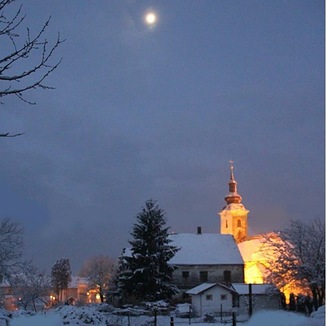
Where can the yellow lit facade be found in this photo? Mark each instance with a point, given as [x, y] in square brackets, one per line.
[234, 215]
[253, 249]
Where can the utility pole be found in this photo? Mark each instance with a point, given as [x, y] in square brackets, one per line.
[250, 300]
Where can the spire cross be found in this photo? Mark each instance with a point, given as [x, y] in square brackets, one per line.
[231, 168]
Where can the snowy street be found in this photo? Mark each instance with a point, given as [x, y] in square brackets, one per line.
[275, 318]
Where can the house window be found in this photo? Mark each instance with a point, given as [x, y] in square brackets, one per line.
[203, 275]
[209, 297]
[239, 224]
[227, 277]
[185, 274]
[223, 297]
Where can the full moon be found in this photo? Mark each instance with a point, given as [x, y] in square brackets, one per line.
[150, 18]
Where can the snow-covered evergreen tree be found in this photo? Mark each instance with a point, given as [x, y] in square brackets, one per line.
[144, 271]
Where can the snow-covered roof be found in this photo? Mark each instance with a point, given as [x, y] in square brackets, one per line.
[205, 249]
[234, 206]
[256, 248]
[251, 250]
[76, 280]
[201, 288]
[206, 286]
[243, 289]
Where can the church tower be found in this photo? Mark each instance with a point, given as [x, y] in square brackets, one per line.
[234, 215]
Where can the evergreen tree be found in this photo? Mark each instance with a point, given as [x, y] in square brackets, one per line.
[145, 272]
[61, 276]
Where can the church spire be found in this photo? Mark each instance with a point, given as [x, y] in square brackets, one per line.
[234, 215]
[233, 197]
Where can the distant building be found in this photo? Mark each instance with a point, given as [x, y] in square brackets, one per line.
[78, 291]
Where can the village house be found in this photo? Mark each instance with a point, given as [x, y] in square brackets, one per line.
[205, 258]
[78, 291]
[221, 300]
[215, 298]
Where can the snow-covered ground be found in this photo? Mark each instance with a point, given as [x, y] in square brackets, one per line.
[72, 316]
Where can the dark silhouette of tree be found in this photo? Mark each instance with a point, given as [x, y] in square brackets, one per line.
[292, 306]
[145, 274]
[60, 277]
[11, 246]
[31, 286]
[26, 56]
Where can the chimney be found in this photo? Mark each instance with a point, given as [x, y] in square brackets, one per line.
[198, 229]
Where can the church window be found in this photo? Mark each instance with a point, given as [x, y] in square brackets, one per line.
[209, 297]
[227, 277]
[226, 224]
[203, 275]
[185, 274]
[239, 224]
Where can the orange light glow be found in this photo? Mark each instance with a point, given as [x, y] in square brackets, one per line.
[257, 257]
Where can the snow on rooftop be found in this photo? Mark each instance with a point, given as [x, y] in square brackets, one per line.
[243, 289]
[250, 249]
[76, 280]
[200, 288]
[256, 249]
[205, 249]
[234, 206]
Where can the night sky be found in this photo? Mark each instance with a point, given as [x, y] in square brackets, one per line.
[142, 112]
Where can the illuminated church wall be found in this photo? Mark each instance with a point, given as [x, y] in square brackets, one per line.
[234, 215]
[234, 221]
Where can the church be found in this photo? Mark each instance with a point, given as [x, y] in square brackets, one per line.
[229, 257]
[213, 257]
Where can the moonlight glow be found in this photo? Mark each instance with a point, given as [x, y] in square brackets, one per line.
[150, 18]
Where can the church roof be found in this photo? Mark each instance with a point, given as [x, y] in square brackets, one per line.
[205, 249]
[256, 248]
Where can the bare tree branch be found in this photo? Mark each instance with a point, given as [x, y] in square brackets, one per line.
[7, 134]
[28, 57]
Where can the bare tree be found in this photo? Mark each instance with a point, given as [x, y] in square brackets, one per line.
[26, 57]
[11, 246]
[99, 272]
[31, 286]
[300, 257]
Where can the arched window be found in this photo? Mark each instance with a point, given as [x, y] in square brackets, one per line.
[226, 224]
[239, 224]
[227, 277]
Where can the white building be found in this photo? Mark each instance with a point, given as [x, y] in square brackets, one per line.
[213, 298]
[205, 258]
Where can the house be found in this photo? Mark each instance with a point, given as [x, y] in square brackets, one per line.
[78, 291]
[205, 258]
[264, 297]
[221, 300]
[215, 298]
